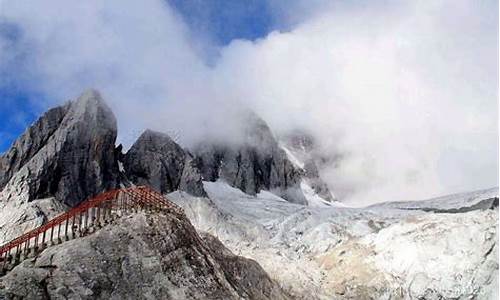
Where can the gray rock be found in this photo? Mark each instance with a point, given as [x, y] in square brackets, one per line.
[313, 178]
[304, 147]
[156, 160]
[69, 154]
[28, 144]
[191, 180]
[245, 275]
[257, 163]
[142, 256]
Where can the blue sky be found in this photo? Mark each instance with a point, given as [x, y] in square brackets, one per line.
[218, 20]
[226, 20]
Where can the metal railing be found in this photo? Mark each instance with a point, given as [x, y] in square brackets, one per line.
[79, 221]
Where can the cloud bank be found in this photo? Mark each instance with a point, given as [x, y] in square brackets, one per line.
[405, 93]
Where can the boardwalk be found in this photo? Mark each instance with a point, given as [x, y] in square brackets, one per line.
[82, 220]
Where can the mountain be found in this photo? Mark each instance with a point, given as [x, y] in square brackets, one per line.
[259, 222]
[255, 164]
[69, 155]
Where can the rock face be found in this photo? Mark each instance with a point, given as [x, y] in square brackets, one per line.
[141, 256]
[191, 180]
[256, 164]
[245, 275]
[156, 160]
[26, 146]
[69, 154]
[302, 147]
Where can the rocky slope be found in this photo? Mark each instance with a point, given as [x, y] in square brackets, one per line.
[379, 252]
[141, 256]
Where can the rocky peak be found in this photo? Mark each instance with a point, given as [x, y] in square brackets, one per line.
[299, 141]
[257, 133]
[156, 160]
[29, 143]
[257, 163]
[69, 154]
[302, 146]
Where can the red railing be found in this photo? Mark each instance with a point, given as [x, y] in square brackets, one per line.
[92, 213]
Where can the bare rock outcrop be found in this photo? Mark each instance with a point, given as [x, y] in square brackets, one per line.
[69, 154]
[255, 164]
[304, 148]
[28, 144]
[158, 161]
[142, 256]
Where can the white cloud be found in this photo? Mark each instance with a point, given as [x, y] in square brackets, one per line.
[406, 91]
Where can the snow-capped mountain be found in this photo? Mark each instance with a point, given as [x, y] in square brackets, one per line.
[267, 225]
[400, 251]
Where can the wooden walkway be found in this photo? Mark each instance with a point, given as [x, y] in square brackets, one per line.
[82, 220]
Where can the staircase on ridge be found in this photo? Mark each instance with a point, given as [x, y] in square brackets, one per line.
[82, 220]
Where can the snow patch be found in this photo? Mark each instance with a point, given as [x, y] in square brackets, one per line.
[292, 158]
[121, 168]
[314, 200]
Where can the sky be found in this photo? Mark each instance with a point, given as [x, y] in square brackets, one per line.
[405, 92]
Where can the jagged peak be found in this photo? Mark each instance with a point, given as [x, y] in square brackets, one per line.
[153, 137]
[90, 95]
[91, 104]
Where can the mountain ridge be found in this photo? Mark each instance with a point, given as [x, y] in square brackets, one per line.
[259, 199]
[81, 136]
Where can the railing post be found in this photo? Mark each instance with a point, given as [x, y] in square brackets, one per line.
[110, 211]
[73, 227]
[86, 222]
[43, 239]
[10, 254]
[98, 213]
[80, 224]
[59, 233]
[35, 248]
[26, 247]
[17, 258]
[52, 235]
[93, 220]
[66, 237]
[104, 213]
